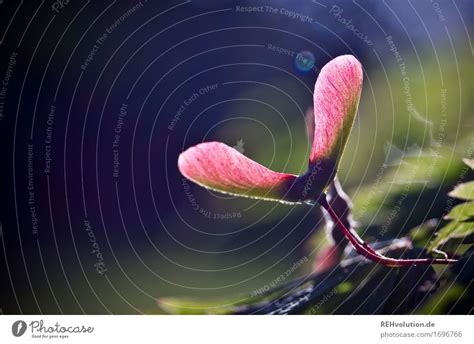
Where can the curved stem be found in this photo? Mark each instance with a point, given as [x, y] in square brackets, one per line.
[365, 250]
[341, 204]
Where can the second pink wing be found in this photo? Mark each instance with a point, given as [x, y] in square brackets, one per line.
[336, 98]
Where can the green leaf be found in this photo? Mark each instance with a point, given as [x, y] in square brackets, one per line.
[469, 162]
[226, 305]
[405, 181]
[453, 230]
[421, 234]
[461, 212]
[464, 191]
[191, 306]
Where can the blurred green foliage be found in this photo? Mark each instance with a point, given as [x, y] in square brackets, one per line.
[403, 159]
[462, 224]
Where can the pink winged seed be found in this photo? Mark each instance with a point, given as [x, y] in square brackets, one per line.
[336, 98]
[219, 167]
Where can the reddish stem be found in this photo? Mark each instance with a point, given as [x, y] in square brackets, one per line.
[365, 250]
